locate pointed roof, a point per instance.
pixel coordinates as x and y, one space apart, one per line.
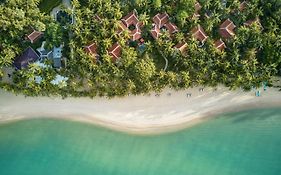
197 7
219 44
27 57
199 33
121 27
252 21
227 29
115 51
91 49
34 36
135 34
243 5
171 27
182 46
160 19
155 32
130 19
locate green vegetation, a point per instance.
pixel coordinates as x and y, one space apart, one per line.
47 5
252 56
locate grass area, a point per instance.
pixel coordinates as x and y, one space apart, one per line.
47 5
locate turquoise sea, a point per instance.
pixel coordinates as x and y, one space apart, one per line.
244 143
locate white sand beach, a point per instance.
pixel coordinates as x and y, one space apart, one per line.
171 110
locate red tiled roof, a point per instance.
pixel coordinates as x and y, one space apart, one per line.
197 7
160 19
243 5
115 51
130 19
227 29
199 33
172 28
34 36
135 34
121 27
252 21
181 47
219 44
91 49
155 32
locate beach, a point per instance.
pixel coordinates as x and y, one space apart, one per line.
167 111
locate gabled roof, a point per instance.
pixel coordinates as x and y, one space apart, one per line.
130 19
135 34
115 51
155 32
171 27
243 5
181 47
27 57
197 7
121 27
160 19
91 49
199 33
252 21
227 29
219 44
34 36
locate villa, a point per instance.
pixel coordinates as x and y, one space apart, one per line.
197 7
132 23
226 29
155 31
27 57
199 34
243 5
220 45
34 36
253 21
92 50
181 47
161 21
115 51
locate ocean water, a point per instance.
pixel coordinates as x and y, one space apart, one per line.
244 143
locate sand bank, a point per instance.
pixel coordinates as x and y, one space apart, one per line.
171 110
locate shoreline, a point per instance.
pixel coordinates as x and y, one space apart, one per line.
138 114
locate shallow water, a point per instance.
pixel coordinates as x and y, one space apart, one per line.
244 143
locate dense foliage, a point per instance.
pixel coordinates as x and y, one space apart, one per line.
251 57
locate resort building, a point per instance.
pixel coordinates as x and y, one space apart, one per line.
34 36
253 21
227 29
155 31
219 44
115 51
27 57
199 34
131 22
243 5
171 27
197 7
181 47
161 21
92 50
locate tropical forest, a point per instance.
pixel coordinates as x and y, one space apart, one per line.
117 48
